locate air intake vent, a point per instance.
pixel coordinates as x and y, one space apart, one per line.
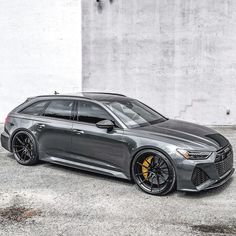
199 176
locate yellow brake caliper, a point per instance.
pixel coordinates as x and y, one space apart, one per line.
146 163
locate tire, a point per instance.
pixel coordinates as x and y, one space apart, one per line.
24 148
153 172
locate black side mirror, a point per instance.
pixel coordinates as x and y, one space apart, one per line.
105 124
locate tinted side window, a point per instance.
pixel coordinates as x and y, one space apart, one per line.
35 109
92 113
59 109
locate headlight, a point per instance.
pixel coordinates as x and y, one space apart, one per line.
193 155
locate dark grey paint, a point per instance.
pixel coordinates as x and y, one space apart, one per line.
88 147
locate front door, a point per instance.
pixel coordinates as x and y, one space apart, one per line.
95 146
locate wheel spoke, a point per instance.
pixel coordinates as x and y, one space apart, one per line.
149 163
155 160
158 181
138 174
161 163
15 145
20 141
25 156
152 182
165 172
164 168
142 165
145 179
22 156
148 178
28 153
141 182
29 147
162 178
158 162
19 150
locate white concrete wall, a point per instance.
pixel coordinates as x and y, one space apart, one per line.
40 49
179 56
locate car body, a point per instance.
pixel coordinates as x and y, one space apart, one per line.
201 157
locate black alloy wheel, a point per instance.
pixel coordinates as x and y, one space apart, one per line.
153 172
24 148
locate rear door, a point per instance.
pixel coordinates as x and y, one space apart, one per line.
53 129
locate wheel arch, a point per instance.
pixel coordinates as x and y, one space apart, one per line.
146 148
20 130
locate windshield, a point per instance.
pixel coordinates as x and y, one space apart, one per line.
134 113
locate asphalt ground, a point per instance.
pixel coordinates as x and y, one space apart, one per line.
48 199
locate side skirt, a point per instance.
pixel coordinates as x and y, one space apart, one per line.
86 167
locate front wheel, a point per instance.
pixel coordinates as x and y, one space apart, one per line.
24 148
153 172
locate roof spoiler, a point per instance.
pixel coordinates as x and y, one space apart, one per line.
117 94
30 98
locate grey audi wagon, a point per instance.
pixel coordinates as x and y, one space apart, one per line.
118 136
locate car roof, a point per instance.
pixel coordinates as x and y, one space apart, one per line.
96 96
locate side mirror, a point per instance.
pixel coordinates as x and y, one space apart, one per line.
105 124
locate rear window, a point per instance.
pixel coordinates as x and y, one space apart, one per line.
61 109
35 109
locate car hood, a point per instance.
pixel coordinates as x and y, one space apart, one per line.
185 131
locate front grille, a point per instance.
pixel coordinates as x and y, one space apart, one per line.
224 160
223 153
199 176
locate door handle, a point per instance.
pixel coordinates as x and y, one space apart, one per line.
40 126
78 131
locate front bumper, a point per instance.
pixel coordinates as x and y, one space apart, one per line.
210 184
222 181
5 141
198 175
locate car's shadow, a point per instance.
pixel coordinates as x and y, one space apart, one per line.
76 171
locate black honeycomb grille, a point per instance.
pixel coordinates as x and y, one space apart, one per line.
199 176
224 160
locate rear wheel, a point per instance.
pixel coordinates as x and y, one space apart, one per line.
153 172
24 148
